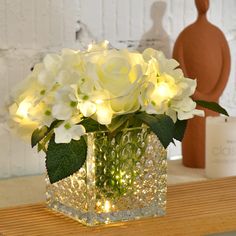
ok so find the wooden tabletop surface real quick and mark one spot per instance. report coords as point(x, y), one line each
point(28, 192)
point(192, 209)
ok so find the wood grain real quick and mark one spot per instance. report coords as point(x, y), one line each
point(192, 209)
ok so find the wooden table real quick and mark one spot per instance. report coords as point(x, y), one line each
point(192, 209)
point(31, 189)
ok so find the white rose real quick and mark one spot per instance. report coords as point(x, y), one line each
point(120, 73)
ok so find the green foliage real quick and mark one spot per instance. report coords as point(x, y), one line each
point(65, 159)
point(41, 147)
point(38, 135)
point(212, 106)
point(161, 125)
point(179, 129)
point(92, 125)
point(62, 160)
point(118, 122)
point(118, 172)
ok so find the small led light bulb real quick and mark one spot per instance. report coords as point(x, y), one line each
point(163, 90)
point(90, 46)
point(23, 109)
point(99, 101)
point(107, 206)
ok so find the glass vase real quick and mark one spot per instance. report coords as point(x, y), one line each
point(124, 178)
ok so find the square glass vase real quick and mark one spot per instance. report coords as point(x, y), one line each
point(124, 178)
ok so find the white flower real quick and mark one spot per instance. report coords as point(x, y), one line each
point(167, 90)
point(50, 69)
point(157, 95)
point(19, 122)
point(120, 73)
point(104, 113)
point(182, 104)
point(68, 131)
point(94, 47)
point(84, 105)
point(61, 112)
point(100, 83)
point(87, 108)
point(65, 103)
point(41, 113)
point(163, 65)
point(94, 103)
point(66, 78)
point(71, 60)
point(52, 62)
point(186, 87)
point(185, 108)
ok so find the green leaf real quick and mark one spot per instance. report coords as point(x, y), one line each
point(117, 122)
point(161, 125)
point(41, 133)
point(55, 124)
point(64, 159)
point(134, 122)
point(38, 135)
point(41, 147)
point(179, 129)
point(92, 125)
point(212, 106)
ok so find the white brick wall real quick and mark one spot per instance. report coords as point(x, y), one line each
point(31, 28)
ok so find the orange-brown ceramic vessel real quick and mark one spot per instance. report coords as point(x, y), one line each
point(203, 54)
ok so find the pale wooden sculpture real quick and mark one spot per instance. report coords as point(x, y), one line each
point(203, 53)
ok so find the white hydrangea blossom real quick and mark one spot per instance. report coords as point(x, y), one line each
point(101, 83)
point(67, 131)
point(167, 90)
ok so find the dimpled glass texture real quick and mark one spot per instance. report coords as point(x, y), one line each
point(124, 178)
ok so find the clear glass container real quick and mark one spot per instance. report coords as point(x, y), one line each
point(124, 178)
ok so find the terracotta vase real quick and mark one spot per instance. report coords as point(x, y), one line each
point(203, 54)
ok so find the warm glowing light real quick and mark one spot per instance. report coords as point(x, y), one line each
point(87, 108)
point(105, 43)
point(23, 109)
point(104, 114)
point(107, 220)
point(107, 206)
point(99, 101)
point(90, 46)
point(121, 177)
point(93, 46)
point(163, 90)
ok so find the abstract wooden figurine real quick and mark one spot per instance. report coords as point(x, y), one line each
point(203, 53)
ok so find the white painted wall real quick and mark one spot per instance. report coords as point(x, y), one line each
point(31, 28)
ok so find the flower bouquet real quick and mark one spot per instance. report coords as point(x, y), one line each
point(104, 118)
